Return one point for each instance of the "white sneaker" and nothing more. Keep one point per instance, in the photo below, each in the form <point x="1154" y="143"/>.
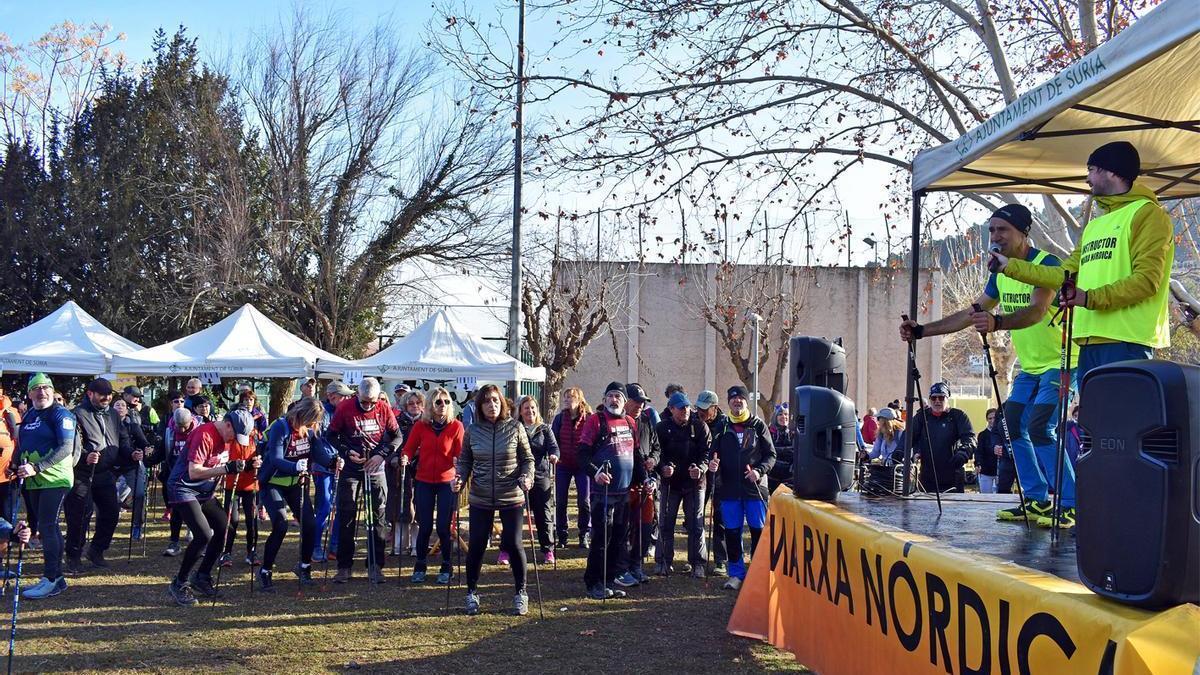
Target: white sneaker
<point x="45" y="589"/>
<point x="733" y="584"/>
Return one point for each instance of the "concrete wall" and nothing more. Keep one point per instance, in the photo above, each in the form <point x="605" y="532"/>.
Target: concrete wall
<point x="661" y="337"/>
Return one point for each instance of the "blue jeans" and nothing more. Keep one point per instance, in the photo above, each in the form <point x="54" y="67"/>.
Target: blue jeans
<point x="734" y="512"/>
<point x="324" y="504"/>
<point x="1094" y="356"/>
<point x="1032" y="414"/>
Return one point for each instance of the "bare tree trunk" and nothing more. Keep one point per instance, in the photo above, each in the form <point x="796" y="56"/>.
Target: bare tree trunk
<point x="281" y="396"/>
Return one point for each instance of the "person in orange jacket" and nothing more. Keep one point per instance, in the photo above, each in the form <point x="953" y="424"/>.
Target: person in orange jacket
<point x="244" y="487"/>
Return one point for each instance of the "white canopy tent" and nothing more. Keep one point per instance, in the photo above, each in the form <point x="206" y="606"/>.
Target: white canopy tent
<point x="1143" y="86"/>
<point x="243" y="344"/>
<point x="68" y="341"/>
<point x="440" y="350"/>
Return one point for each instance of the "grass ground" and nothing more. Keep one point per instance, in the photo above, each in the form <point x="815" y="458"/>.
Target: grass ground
<point x="121" y="620"/>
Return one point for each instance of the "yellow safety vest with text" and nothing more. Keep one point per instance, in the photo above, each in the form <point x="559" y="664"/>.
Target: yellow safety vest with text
<point x="1104" y="259"/>
<point x="1039" y="347"/>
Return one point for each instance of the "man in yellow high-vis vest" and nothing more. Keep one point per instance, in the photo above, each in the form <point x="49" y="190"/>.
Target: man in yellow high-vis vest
<point x="1032" y="405"/>
<point x="1123" y="261"/>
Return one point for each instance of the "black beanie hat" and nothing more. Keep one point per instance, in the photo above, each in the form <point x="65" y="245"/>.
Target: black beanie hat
<point x="1119" y="157"/>
<point x="1016" y="215"/>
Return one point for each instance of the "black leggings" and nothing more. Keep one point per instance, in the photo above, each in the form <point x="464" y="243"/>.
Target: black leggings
<point x="206" y="520"/>
<point x="278" y="500"/>
<point x="431" y="497"/>
<point x="510" y="542"/>
<point x="248" y="500"/>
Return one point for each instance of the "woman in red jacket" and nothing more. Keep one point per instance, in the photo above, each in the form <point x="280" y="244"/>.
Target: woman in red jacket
<point x="437" y="437"/>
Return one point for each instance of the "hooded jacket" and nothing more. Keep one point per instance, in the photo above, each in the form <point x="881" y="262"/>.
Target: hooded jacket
<point x="754" y="449"/>
<point x="493" y="457"/>
<point x="101" y="431"/>
<point x="1150" y="246"/>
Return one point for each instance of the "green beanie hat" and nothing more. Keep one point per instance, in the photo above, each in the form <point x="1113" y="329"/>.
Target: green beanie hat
<point x="38" y="380"/>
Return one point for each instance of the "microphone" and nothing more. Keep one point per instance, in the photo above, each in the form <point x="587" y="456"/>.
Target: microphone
<point x="992" y="265"/>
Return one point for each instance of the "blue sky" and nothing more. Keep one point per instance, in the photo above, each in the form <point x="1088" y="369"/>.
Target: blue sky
<point x="220" y="24"/>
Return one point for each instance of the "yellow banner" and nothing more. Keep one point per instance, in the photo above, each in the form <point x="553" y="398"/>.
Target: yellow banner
<point x="849" y="595"/>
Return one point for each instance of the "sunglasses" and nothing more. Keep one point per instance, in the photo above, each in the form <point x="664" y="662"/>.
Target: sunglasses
<point x="937" y="398"/>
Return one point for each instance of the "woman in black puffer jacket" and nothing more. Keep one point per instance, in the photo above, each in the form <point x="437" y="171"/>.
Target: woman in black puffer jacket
<point x="544" y="446"/>
<point x="497" y="460"/>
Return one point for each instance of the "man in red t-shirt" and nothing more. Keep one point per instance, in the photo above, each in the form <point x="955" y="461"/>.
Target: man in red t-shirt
<point x="365" y="434"/>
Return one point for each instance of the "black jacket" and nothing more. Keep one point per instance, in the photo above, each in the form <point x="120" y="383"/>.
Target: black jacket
<point x="682" y="446"/>
<point x="101" y="431"/>
<point x="543" y="445"/>
<point x="648" y="438"/>
<point x="952" y="441"/>
<point x="985" y="455"/>
<point x="753" y="449"/>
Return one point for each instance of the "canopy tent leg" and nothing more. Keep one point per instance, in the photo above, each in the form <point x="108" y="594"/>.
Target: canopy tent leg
<point x="913" y="290"/>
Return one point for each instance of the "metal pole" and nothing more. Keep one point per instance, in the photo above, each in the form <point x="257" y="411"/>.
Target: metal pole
<point x="913" y="289"/>
<point x="514" y="310"/>
<point x="754" y="356"/>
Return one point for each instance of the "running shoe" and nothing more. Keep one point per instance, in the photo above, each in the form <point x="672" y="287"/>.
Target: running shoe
<point x="521" y="603"/>
<point x="502" y="559"/>
<point x="626" y="580"/>
<point x="45" y="588"/>
<point x="548" y="557"/>
<point x="173" y="549"/>
<point x="1066" y="519"/>
<point x="733" y="584"/>
<point x="225" y="560"/>
<point x="472" y="606"/>
<point x="266" y="583"/>
<point x="202" y="584"/>
<point x="304" y="574"/>
<point x="181" y="593"/>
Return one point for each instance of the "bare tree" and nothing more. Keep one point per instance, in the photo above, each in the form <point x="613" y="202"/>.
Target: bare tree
<point x="768" y="104"/>
<point x="364" y="165"/>
<point x="567" y="303"/>
<point x="724" y="301"/>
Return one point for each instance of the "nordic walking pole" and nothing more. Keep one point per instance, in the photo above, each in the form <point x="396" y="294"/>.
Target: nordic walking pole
<point x="554" y="515"/>
<point x="12" y="635"/>
<point x="607" y="528"/>
<point x="663" y="532"/>
<point x="400" y="507"/>
<point x="533" y="554"/>
<point x="329" y="522"/>
<point x="253" y="522"/>
<point x="1064" y="395"/>
<point x="303" y="503"/>
<point x="137" y="479"/>
<point x="369" y="522"/>
<point x="228" y="517"/>
<point x="987" y="358"/>
<point x="12" y="518"/>
<point x="453" y="538"/>
<point x="916" y="375"/>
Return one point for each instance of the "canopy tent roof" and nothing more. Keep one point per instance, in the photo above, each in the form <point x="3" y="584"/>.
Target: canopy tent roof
<point x="68" y="341"/>
<point x="440" y="350"/>
<point x="1143" y="86"/>
<point x="243" y="344"/>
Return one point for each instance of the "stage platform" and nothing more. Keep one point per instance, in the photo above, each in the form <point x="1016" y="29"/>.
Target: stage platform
<point x="968" y="521"/>
<point x="886" y="585"/>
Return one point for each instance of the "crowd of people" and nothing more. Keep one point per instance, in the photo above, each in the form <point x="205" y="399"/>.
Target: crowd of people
<point x="351" y="463"/>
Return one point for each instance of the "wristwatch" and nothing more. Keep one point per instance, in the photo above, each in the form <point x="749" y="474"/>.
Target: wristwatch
<point x="999" y="322"/>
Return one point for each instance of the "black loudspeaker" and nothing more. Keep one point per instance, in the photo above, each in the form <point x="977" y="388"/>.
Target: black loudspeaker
<point x="1138" y="529"/>
<point x="816" y="362"/>
<point x="824" y="425"/>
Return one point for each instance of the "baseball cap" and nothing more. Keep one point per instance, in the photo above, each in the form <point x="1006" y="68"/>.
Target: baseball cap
<point x="678" y="400"/>
<point x="634" y="392"/>
<point x="132" y="390"/>
<point x="886" y="414"/>
<point x="939" y="389"/>
<point x="737" y="390"/>
<point x="401" y="387"/>
<point x="706" y="399"/>
<point x="242" y="422"/>
<point x="100" y="386"/>
<point x="338" y="387"/>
